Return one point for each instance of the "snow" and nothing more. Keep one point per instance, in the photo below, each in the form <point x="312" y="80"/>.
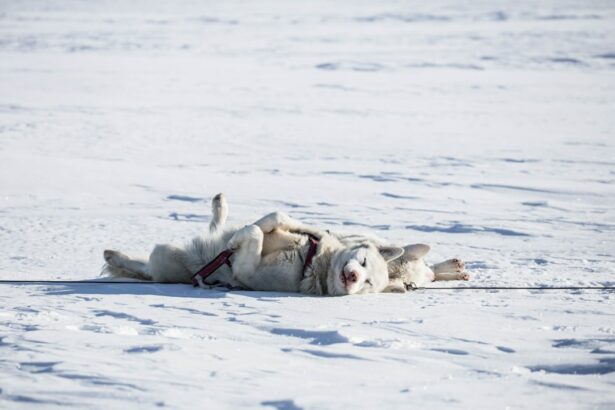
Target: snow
<point x="483" y="129"/>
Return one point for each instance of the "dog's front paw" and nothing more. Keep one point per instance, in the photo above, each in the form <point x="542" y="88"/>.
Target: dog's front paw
<point x="464" y="276"/>
<point x="275" y="220"/>
<point x="232" y="245"/>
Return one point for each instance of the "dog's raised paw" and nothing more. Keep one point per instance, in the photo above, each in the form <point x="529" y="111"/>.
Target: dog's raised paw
<point x="218" y="201"/>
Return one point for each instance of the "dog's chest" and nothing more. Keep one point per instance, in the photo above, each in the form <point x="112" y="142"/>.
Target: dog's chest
<point x="290" y="260"/>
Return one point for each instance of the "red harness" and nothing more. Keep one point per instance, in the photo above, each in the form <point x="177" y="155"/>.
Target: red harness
<point x="311" y="252"/>
<point x="224" y="258"/>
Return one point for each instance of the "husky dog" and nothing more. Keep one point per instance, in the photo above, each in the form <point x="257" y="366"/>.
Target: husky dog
<point x="270" y="255"/>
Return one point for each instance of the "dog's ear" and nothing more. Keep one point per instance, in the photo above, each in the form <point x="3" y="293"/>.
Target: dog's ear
<point x="416" y="251"/>
<point x="395" y="286"/>
<point x="390" y="253"/>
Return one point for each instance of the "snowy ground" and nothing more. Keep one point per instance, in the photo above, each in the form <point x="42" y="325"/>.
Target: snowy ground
<point x="485" y="129"/>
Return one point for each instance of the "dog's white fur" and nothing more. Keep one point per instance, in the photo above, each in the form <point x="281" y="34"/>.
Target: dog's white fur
<point x="269" y="255"/>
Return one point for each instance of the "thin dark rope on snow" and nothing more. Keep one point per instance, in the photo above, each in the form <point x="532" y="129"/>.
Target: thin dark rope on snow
<point x="90" y="282"/>
<point x="522" y="288"/>
<point x="115" y="282"/>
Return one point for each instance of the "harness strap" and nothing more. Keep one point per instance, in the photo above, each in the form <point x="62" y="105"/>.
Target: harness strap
<point x="222" y="258"/>
<point x="311" y="252"/>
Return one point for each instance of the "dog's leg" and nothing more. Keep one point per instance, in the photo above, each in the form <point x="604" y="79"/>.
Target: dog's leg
<point x="168" y="263"/>
<point x="283" y="222"/>
<point x="277" y="220"/>
<point x="451" y="269"/>
<point x="122" y="265"/>
<point x="247" y="244"/>
<point x="278" y="240"/>
<point x="219" y="210"/>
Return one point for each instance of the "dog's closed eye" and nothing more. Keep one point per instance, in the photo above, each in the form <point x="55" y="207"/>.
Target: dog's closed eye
<point x="364" y="263"/>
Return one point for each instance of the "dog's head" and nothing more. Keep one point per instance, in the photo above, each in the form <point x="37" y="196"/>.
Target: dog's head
<point x="361" y="268"/>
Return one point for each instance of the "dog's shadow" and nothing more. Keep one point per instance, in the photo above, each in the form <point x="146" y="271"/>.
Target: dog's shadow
<point x="154" y="289"/>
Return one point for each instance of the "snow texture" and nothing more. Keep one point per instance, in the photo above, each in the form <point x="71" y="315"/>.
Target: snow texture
<point x="485" y="129"/>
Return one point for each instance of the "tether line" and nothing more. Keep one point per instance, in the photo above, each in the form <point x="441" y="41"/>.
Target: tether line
<point x="89" y="282"/>
<point x="520" y="288"/>
<point x="115" y="282"/>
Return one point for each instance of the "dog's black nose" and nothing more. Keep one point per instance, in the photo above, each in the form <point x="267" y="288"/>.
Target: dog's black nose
<point x="348" y="278"/>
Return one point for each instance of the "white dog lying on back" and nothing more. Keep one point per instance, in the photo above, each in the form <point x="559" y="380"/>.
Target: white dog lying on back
<point x="274" y="254"/>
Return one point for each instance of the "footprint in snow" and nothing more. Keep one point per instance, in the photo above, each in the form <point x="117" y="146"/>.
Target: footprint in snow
<point x="603" y="366"/>
<point x="38" y="367"/>
<point x="451" y="351"/>
<point x="324" y="354"/>
<point x="316" y="337"/>
<point x="282" y="404"/>
<point x="121" y="315"/>
<point x="143" y="349"/>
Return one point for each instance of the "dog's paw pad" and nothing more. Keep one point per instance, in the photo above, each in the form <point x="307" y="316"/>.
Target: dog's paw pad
<point x="459" y="264"/>
<point x="464" y="276"/>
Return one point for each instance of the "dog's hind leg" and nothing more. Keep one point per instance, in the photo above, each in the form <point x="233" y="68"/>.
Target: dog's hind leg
<point x="119" y="264"/>
<point x="219" y="210"/>
<point x="169" y="263"/>
<point x="451" y="269"/>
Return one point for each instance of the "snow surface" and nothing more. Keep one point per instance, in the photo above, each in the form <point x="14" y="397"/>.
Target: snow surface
<point x="485" y="129"/>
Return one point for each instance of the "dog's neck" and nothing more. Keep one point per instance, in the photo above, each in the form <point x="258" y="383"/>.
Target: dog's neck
<point x="316" y="277"/>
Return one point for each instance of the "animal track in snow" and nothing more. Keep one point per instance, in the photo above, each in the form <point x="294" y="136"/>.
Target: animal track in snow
<point x="143" y="349"/>
<point x="189" y="310"/>
<point x="282" y="404"/>
<point x="464" y="228"/>
<point x="38" y="367"/>
<point x="120" y="315"/>
<point x="185" y="198"/>
<point x="603" y="366"/>
<point x="317" y="337"/>
<point x="456" y="352"/>
<point x="324" y="354"/>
